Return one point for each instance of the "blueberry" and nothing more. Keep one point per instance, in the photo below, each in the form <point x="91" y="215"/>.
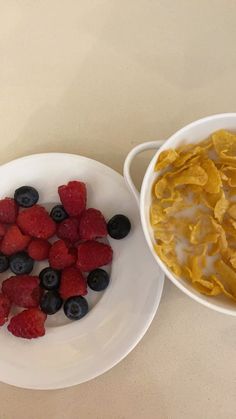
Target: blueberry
<point x="26" y="196"/>
<point x="76" y="307"/>
<point x="58" y="213"/>
<point x="49" y="279"/>
<point x="98" y="280"/>
<point x="21" y="263"/>
<point x="51" y="302"/>
<point x="4" y="263"/>
<point x="119" y="226"/>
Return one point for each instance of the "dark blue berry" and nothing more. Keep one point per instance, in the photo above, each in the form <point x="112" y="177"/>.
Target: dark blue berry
<point x="119" y="226"/>
<point x="98" y="280"/>
<point x="26" y="196"/>
<point x="51" y="302"/>
<point x="4" y="263"/>
<point x="21" y="263"/>
<point x="76" y="307"/>
<point x="49" y="279"/>
<point x="58" y="213"/>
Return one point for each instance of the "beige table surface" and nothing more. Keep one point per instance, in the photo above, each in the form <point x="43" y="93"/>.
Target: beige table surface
<point x="96" y="78"/>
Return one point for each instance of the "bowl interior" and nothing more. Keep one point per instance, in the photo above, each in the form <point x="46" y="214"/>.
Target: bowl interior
<point x="192" y="133"/>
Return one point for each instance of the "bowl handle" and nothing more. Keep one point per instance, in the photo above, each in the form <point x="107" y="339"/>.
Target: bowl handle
<point x="129" y="159"/>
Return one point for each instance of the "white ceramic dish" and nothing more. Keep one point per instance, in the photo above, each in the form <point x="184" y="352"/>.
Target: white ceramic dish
<point x="192" y="133"/>
<point x="79" y="351"/>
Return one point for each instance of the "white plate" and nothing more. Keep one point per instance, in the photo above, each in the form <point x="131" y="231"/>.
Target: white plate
<point x="72" y="353"/>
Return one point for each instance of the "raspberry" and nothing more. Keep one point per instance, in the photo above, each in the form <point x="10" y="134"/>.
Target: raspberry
<point x="28" y="324"/>
<point x="60" y="256"/>
<point x="22" y="290"/>
<point x="68" y="230"/>
<point x="72" y="283"/>
<point x="14" y="241"/>
<point x="73" y="197"/>
<point x="8" y="210"/>
<point x="73" y="252"/>
<point x="5" y="306"/>
<point x="92" y="224"/>
<point x="38" y="249"/>
<point x="3" y="230"/>
<point x="36" y="222"/>
<point x="92" y="255"/>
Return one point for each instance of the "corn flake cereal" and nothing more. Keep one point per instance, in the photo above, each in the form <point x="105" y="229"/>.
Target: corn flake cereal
<point x="214" y="182"/>
<point x="165" y="158"/>
<point x="193" y="213"/>
<point x="220" y="208"/>
<point x="192" y="175"/>
<point x="225" y="145"/>
<point x="232" y="211"/>
<point x="230" y="173"/>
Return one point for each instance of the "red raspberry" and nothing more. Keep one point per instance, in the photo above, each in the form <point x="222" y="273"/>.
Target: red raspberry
<point x="14" y="241"/>
<point x="92" y="225"/>
<point x="36" y="222"/>
<point x="28" y="324"/>
<point x="92" y="255"/>
<point x="73" y="252"/>
<point x="68" y="230"/>
<point x="60" y="256"/>
<point x="23" y="290"/>
<point x="38" y="249"/>
<point x="5" y="306"/>
<point x="3" y="230"/>
<point x="72" y="283"/>
<point x="8" y="210"/>
<point x="73" y="197"/>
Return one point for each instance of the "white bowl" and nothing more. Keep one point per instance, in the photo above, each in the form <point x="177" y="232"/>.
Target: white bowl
<point x="192" y="133"/>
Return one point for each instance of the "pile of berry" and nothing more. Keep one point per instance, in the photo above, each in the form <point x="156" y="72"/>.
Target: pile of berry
<point x="27" y="234"/>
